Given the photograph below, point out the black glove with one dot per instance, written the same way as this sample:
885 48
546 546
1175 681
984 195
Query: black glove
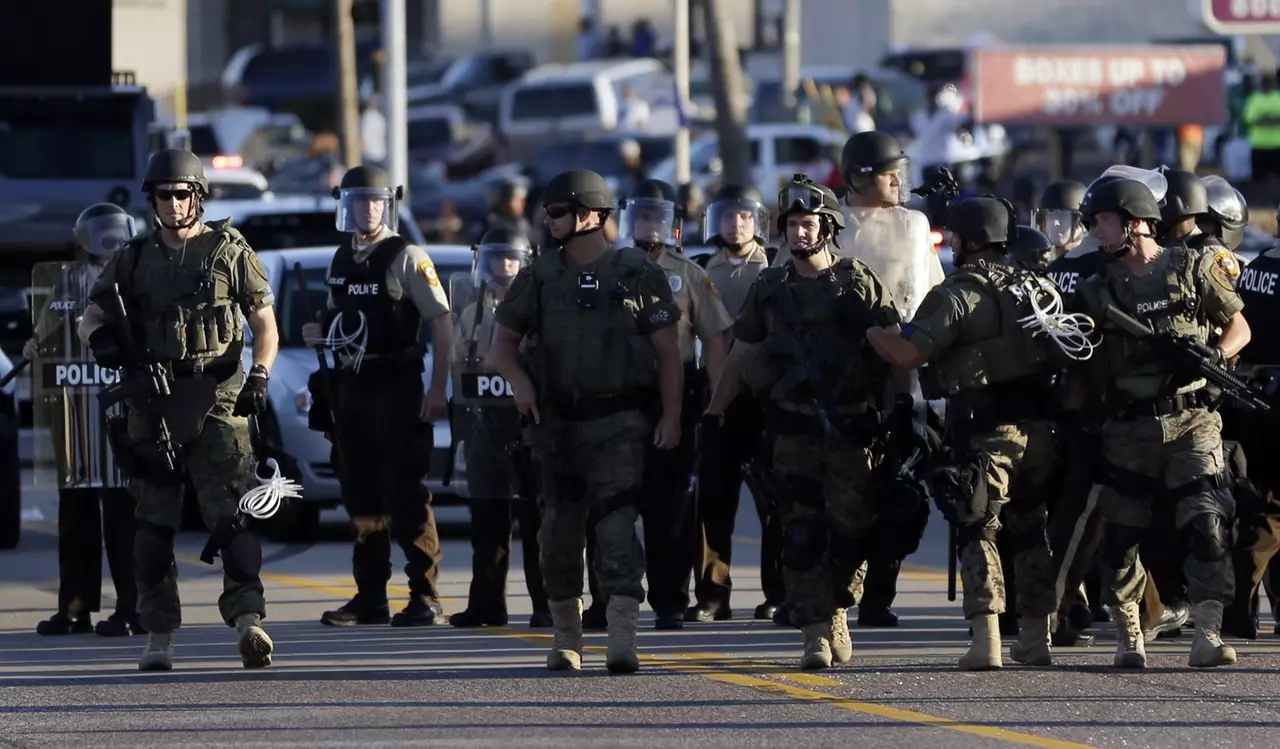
105 348
253 397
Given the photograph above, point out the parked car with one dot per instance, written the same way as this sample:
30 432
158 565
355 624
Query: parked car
603 155
235 182
443 134
475 82
778 150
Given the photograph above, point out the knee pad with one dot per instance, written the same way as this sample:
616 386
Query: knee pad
242 557
152 552
803 544
1118 542
1208 537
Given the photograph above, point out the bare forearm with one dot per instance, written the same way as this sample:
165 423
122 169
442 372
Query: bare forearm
713 356
1235 336
266 344
441 350
729 383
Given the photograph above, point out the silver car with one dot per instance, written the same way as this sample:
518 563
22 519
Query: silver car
285 423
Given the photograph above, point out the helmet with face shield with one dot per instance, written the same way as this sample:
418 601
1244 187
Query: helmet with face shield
1058 215
501 254
647 218
1227 214
103 228
735 217
367 203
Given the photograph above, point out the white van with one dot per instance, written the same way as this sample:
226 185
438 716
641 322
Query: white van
555 102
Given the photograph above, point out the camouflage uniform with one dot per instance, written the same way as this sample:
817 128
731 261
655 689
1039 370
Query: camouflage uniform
217 453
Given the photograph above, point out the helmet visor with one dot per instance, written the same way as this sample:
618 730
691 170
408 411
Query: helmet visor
644 222
799 199
498 264
104 235
1225 202
735 222
1154 180
1061 227
366 210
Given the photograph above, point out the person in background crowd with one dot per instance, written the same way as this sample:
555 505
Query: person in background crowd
588 41
614 45
858 110
633 111
643 39
373 133
1262 119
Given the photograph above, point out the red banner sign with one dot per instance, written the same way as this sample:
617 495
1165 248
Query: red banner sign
1243 16
1147 85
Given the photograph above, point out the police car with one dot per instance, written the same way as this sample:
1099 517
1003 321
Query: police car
284 426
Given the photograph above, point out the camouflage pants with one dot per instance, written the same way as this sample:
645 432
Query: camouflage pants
592 469
1021 459
827 513
219 462
1148 459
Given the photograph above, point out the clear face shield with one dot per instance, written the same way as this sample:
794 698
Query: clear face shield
498 264
1063 228
647 222
735 222
103 236
366 210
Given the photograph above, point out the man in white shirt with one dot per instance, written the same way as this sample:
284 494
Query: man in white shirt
373 134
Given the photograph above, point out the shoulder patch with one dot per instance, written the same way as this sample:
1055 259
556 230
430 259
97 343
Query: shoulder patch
1225 266
427 270
676 282
255 264
711 287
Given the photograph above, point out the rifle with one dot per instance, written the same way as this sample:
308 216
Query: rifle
140 380
326 381
1201 358
823 404
761 489
471 363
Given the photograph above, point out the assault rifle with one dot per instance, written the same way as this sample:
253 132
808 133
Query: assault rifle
823 404
1199 358
140 381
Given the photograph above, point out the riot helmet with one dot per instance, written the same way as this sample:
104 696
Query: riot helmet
1227 214
570 193
802 195
1131 199
103 228
501 254
868 154
735 217
174 166
648 218
1030 249
367 202
1058 215
505 192
1186 196
981 221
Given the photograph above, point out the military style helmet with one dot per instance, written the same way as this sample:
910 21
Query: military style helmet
1030 249
174 165
366 201
803 195
103 228
1058 215
649 215
1186 197
501 254
870 153
1228 212
581 188
1122 195
1063 195
982 220
735 217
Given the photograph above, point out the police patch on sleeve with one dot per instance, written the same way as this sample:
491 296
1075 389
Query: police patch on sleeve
1226 267
676 282
256 264
427 270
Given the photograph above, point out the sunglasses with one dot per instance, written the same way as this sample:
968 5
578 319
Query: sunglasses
560 211
180 194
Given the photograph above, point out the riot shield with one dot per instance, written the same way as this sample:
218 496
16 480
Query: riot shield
894 243
70 444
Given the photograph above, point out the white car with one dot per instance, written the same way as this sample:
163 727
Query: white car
285 424
281 222
236 183
778 151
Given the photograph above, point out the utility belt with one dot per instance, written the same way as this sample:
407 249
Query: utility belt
377 370
1137 408
586 409
219 369
1005 403
859 423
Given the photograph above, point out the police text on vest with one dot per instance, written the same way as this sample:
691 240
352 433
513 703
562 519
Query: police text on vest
1257 281
362 289
486 386
1146 308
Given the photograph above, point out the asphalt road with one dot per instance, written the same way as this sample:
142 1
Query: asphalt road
730 684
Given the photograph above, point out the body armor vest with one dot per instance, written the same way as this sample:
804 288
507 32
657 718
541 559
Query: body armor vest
590 345
831 331
186 312
394 325
1008 353
1259 287
1067 272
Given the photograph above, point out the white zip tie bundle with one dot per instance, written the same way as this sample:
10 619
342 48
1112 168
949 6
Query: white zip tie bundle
1069 331
264 500
352 345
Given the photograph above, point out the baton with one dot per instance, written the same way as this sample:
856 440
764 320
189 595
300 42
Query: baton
20 365
326 381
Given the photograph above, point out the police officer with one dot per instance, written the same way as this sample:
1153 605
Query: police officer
507 209
998 378
1228 212
1185 204
607 349
1058 218
648 220
1160 441
736 222
485 419
1031 250
381 290
816 307
206 276
94 506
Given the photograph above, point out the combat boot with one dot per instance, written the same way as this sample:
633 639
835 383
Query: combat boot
1208 649
255 645
817 646
159 653
621 657
1032 647
1131 651
841 641
984 652
566 648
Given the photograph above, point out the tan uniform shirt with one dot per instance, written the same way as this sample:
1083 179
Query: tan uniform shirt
702 314
732 277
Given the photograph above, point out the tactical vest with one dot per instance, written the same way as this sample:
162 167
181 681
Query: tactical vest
596 351
186 312
1010 353
394 325
1259 287
1067 272
833 323
1175 310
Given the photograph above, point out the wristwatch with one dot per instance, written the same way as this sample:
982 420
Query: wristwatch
259 371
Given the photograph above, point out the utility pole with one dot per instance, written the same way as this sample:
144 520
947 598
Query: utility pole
684 170
731 100
393 91
344 29
790 52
